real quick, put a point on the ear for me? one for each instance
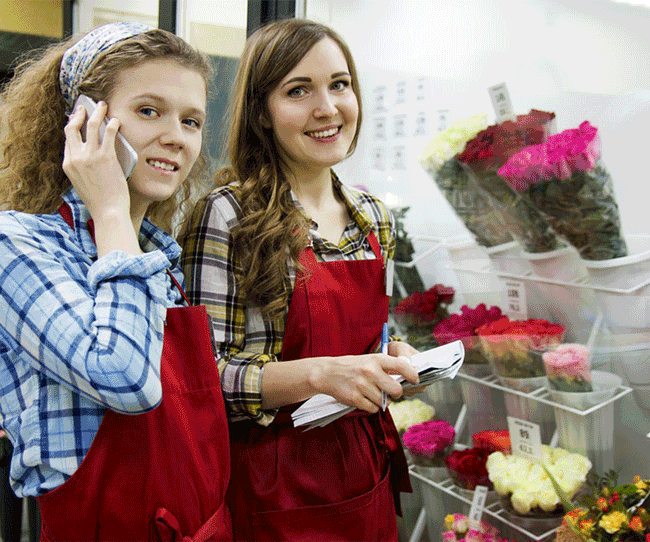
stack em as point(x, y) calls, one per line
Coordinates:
point(264, 121)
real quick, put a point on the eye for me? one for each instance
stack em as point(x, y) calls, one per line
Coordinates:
point(341, 84)
point(193, 123)
point(147, 111)
point(297, 92)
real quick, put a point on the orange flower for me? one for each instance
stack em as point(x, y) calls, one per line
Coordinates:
point(601, 504)
point(586, 525)
point(636, 524)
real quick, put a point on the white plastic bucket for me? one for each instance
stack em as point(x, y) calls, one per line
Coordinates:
point(624, 310)
point(533, 411)
point(560, 264)
point(507, 258)
point(604, 387)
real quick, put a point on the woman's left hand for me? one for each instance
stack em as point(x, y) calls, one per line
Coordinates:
point(400, 348)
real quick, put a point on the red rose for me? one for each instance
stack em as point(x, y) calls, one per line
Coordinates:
point(467, 467)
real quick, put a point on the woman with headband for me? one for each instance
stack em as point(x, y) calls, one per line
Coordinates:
point(110, 393)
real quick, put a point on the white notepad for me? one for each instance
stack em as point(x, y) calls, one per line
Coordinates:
point(432, 365)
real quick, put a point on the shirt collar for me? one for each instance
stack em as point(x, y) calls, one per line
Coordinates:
point(150, 236)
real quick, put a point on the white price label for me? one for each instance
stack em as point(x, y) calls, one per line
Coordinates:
point(379, 158)
point(501, 102)
point(399, 157)
point(516, 303)
point(525, 438)
point(399, 126)
point(380, 99)
point(379, 128)
point(400, 93)
point(478, 503)
point(420, 124)
point(443, 119)
point(421, 90)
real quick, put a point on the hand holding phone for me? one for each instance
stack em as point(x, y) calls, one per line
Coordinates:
point(126, 155)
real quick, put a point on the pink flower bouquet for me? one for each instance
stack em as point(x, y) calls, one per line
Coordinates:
point(458, 530)
point(429, 442)
point(566, 181)
point(489, 151)
point(568, 368)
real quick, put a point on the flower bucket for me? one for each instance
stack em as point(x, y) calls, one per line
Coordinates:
point(411, 504)
point(591, 435)
point(531, 410)
point(486, 409)
point(560, 264)
point(631, 356)
point(604, 386)
point(444, 395)
point(624, 310)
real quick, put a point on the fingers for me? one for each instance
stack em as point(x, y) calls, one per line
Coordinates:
point(73, 127)
point(400, 366)
point(93, 135)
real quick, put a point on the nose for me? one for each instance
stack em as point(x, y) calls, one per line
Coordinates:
point(172, 134)
point(326, 105)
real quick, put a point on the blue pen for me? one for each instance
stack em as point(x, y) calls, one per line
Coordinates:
point(384, 350)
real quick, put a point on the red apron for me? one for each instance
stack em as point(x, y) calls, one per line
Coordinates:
point(161, 475)
point(340, 482)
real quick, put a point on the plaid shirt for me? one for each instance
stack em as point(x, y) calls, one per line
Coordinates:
point(244, 341)
point(78, 335)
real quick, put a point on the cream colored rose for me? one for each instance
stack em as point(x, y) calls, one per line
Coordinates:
point(548, 500)
point(410, 412)
point(522, 501)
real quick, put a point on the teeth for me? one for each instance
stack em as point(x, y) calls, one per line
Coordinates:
point(162, 165)
point(326, 133)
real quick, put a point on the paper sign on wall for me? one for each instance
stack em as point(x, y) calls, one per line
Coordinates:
point(379, 129)
point(379, 158)
point(379, 99)
point(399, 157)
point(400, 93)
point(501, 102)
point(525, 438)
point(443, 119)
point(420, 124)
point(399, 126)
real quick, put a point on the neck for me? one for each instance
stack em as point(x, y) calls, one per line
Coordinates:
point(312, 189)
point(137, 211)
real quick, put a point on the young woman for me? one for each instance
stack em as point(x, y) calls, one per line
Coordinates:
point(291, 265)
point(110, 393)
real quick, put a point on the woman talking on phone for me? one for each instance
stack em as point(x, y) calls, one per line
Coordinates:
point(291, 265)
point(109, 390)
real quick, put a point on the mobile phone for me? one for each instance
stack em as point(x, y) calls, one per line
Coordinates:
point(126, 155)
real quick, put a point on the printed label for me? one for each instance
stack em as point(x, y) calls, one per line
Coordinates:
point(478, 503)
point(516, 304)
point(525, 438)
point(501, 102)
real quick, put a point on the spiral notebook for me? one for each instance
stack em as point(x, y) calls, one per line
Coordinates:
point(432, 365)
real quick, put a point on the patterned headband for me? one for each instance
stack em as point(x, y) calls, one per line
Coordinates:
point(80, 57)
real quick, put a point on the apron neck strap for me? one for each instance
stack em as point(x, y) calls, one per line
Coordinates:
point(66, 213)
point(372, 239)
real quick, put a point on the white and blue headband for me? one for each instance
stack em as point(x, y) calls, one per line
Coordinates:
point(80, 57)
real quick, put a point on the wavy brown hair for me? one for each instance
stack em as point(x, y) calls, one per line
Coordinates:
point(33, 113)
point(270, 226)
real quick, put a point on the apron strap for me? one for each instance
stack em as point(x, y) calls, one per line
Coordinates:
point(167, 529)
point(66, 214)
point(310, 257)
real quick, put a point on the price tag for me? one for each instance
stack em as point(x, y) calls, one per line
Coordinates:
point(516, 303)
point(478, 503)
point(420, 124)
point(380, 99)
point(501, 102)
point(390, 276)
point(379, 128)
point(525, 438)
point(443, 119)
point(399, 157)
point(399, 126)
point(421, 90)
point(400, 93)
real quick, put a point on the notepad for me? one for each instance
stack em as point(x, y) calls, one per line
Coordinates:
point(431, 365)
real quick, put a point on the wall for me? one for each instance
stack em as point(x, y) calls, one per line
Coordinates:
point(583, 59)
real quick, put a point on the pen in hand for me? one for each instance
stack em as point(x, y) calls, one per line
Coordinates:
point(384, 350)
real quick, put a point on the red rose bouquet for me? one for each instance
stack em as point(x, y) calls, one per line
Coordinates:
point(514, 348)
point(428, 442)
point(464, 327)
point(490, 150)
point(419, 312)
point(493, 441)
point(569, 185)
point(468, 467)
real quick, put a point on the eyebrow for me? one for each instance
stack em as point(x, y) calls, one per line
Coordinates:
point(308, 79)
point(158, 98)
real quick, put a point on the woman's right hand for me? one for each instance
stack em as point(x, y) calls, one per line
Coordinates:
point(92, 167)
point(359, 380)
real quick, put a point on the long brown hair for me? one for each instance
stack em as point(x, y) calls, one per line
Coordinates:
point(270, 226)
point(33, 112)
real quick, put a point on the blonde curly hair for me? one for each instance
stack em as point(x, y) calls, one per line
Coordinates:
point(270, 226)
point(32, 110)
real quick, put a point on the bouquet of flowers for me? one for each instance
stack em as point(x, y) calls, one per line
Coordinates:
point(468, 467)
point(489, 151)
point(428, 442)
point(473, 208)
point(409, 412)
point(609, 513)
point(568, 368)
point(566, 181)
point(526, 486)
point(514, 348)
point(458, 530)
point(464, 327)
point(419, 312)
point(493, 441)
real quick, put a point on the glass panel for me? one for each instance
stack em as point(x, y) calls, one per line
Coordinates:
point(218, 28)
point(37, 17)
point(93, 13)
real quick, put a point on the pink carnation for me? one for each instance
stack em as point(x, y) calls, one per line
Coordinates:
point(568, 361)
point(429, 438)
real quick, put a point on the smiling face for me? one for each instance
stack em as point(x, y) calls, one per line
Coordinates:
point(314, 110)
point(161, 108)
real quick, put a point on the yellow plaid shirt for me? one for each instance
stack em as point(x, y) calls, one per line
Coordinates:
point(244, 342)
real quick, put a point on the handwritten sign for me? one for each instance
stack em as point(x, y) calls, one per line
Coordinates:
point(501, 102)
point(525, 438)
point(516, 304)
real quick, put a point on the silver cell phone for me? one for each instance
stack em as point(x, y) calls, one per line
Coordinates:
point(126, 155)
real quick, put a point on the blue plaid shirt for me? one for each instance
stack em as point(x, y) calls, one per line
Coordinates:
point(78, 335)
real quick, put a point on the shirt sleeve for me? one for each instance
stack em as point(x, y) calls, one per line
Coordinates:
point(211, 278)
point(100, 335)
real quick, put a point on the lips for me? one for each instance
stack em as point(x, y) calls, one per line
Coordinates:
point(325, 132)
point(166, 165)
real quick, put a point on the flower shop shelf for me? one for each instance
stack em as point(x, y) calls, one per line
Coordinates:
point(494, 510)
